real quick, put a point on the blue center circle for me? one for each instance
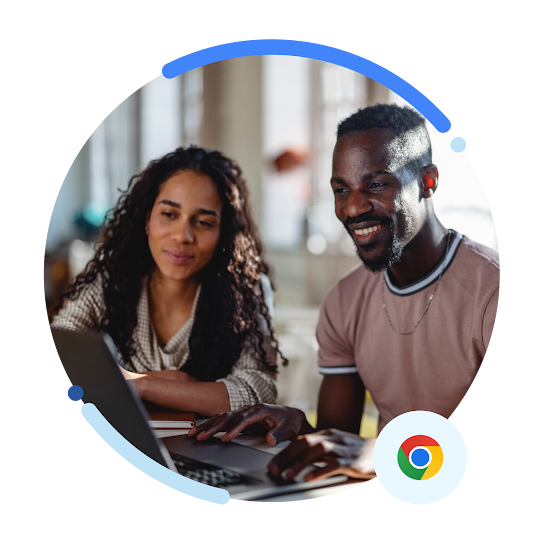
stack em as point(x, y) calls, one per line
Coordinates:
point(420, 458)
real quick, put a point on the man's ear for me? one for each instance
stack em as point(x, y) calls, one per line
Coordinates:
point(429, 177)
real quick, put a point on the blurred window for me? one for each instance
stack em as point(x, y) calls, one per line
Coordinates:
point(286, 140)
point(460, 201)
point(304, 100)
point(336, 93)
point(162, 116)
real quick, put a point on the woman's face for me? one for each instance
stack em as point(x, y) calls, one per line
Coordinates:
point(184, 225)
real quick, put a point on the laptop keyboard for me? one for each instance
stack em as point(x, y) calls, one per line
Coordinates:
point(208, 474)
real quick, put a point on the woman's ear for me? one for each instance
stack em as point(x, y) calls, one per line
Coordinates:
point(147, 223)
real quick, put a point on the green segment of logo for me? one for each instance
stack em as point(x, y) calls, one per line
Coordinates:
point(407, 468)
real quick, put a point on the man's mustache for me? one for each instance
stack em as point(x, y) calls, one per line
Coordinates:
point(366, 217)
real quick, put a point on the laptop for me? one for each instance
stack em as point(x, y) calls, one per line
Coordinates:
point(91, 361)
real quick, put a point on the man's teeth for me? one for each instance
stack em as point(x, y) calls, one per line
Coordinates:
point(366, 231)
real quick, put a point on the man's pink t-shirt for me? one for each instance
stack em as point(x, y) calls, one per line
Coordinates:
point(432, 368)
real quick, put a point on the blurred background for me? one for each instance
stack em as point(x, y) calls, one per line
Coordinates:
point(276, 116)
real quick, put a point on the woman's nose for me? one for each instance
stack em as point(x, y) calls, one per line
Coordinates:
point(183, 232)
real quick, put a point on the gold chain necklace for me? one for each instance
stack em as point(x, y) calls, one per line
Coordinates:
point(410, 331)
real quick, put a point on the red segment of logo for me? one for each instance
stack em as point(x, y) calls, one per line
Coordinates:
point(418, 441)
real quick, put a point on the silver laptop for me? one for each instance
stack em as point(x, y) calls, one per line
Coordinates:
point(91, 361)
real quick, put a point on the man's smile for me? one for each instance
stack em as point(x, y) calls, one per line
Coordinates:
point(364, 236)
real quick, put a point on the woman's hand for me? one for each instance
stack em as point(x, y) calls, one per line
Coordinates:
point(137, 379)
point(277, 422)
point(171, 375)
point(131, 375)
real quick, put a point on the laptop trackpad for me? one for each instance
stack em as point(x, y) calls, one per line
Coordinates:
point(226, 455)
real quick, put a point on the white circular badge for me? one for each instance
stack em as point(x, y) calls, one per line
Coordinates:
point(420, 457)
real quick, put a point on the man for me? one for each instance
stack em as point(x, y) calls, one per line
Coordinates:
point(411, 325)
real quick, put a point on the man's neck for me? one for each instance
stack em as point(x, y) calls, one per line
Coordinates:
point(421, 255)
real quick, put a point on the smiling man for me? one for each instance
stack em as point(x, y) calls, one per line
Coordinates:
point(411, 324)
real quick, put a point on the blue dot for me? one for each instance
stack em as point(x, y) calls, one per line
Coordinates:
point(75, 393)
point(458, 145)
point(420, 457)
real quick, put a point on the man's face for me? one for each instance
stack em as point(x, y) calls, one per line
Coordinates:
point(379, 204)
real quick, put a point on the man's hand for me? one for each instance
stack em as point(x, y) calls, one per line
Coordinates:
point(277, 422)
point(343, 452)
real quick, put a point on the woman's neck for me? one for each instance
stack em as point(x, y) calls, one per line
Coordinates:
point(170, 296)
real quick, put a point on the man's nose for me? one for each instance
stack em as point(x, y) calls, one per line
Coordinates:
point(358, 204)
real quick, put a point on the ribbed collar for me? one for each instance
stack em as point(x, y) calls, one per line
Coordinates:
point(433, 276)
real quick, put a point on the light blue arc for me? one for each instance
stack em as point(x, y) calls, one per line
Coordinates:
point(316, 51)
point(141, 461)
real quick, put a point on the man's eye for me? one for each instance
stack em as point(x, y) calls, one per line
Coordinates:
point(340, 190)
point(375, 185)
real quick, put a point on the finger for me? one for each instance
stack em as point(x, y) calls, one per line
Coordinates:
point(242, 420)
point(344, 466)
point(203, 426)
point(316, 453)
point(211, 426)
point(286, 456)
point(333, 467)
point(292, 454)
point(281, 432)
point(232, 423)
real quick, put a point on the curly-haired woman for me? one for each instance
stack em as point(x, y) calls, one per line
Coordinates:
point(179, 283)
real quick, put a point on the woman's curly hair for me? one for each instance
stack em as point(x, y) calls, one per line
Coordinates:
point(231, 314)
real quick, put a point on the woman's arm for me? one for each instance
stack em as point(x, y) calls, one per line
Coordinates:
point(84, 313)
point(249, 383)
point(182, 395)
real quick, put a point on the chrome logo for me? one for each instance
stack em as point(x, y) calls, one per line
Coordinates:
point(440, 460)
point(420, 457)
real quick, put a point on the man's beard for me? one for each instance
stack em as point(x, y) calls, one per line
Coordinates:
point(391, 252)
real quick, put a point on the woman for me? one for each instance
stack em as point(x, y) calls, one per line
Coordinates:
point(178, 282)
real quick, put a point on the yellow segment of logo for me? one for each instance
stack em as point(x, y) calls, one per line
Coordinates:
point(435, 464)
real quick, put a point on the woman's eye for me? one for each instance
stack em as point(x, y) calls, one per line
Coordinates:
point(167, 214)
point(203, 223)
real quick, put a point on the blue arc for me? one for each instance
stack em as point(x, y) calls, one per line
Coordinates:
point(318, 52)
point(141, 461)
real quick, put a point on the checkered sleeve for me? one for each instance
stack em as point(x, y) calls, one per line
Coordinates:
point(249, 383)
point(84, 313)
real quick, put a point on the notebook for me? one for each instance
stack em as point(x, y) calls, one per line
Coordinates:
point(167, 419)
point(91, 361)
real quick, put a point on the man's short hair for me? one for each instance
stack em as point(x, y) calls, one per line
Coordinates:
point(410, 146)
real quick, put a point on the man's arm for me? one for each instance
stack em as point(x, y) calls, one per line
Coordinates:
point(341, 402)
point(343, 451)
point(337, 443)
